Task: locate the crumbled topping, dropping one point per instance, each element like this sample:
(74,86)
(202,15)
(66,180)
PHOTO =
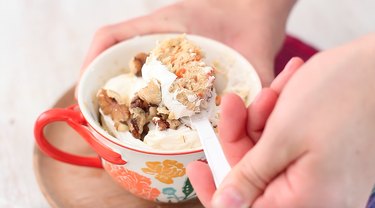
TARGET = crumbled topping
(177,52)
(194,77)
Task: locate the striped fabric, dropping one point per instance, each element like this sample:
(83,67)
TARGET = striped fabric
(371,201)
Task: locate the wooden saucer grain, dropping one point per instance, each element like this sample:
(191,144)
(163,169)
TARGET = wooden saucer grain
(66,185)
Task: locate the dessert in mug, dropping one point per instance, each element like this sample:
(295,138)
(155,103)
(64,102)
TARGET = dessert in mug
(153,102)
(147,107)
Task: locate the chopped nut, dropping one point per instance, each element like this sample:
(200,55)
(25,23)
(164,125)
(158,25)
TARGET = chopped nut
(105,102)
(162,110)
(145,131)
(109,106)
(134,129)
(171,116)
(174,123)
(161,123)
(136,63)
(151,93)
(139,103)
(113,94)
(138,119)
(152,111)
(163,116)
(120,113)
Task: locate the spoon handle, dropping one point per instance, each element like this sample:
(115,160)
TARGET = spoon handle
(214,153)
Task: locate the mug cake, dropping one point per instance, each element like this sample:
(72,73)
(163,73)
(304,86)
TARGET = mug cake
(153,101)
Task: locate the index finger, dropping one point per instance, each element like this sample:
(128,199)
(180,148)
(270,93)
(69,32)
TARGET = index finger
(232,128)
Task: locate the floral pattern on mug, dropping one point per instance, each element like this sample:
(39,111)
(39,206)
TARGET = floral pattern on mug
(132,181)
(165,171)
(187,190)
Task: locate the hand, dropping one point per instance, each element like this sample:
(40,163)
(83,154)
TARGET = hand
(255,28)
(240,129)
(317,148)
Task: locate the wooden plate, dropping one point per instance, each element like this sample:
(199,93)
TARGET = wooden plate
(66,185)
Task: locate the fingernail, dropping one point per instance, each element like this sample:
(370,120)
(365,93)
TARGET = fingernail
(229,197)
(289,64)
(292,62)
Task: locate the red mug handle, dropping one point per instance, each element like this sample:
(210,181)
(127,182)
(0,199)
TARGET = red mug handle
(74,118)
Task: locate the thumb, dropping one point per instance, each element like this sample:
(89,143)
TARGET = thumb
(250,177)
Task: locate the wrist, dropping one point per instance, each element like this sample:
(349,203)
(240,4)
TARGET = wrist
(269,17)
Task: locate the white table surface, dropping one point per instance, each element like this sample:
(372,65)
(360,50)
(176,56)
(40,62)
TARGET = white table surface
(42,46)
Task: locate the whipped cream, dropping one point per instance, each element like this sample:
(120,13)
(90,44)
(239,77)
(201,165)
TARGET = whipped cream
(125,85)
(171,139)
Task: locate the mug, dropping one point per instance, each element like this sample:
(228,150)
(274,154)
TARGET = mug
(154,175)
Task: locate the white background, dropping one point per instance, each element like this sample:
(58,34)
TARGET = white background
(43,43)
